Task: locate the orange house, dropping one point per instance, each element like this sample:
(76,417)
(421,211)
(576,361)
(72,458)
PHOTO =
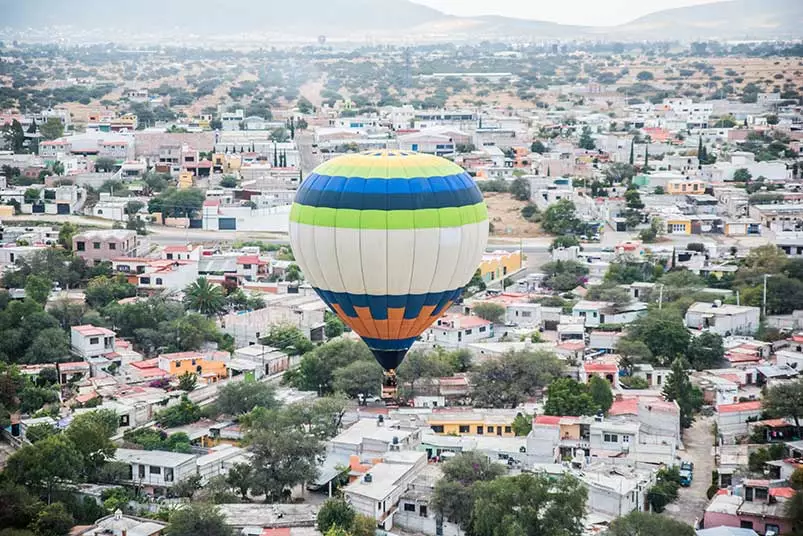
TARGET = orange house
(208,369)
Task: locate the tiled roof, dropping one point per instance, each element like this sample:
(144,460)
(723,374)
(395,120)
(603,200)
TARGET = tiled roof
(753,405)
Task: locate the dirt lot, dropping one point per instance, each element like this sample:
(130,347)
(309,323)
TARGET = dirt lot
(505,214)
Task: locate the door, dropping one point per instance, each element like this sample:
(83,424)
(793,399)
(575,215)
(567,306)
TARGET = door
(63,208)
(227,224)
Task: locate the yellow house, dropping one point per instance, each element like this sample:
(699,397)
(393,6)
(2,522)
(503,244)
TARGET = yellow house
(473,423)
(685,187)
(499,264)
(678,226)
(208,370)
(185,180)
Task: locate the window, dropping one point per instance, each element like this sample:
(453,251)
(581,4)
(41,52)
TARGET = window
(130,472)
(246,266)
(464,429)
(170,256)
(525,314)
(145,280)
(112,246)
(745,524)
(409,507)
(770,528)
(482,329)
(158,280)
(611,438)
(141,471)
(508,429)
(123,268)
(468,332)
(422,510)
(437,428)
(625,439)
(95,245)
(94,340)
(156,470)
(168,474)
(479,430)
(80,246)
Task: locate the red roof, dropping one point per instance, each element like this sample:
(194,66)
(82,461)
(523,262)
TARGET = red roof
(600,367)
(547,419)
(212,203)
(571,345)
(146,363)
(90,330)
(250,259)
(179,249)
(775,423)
(73,365)
(626,406)
(742,358)
(754,405)
(276,531)
(757,483)
(785,492)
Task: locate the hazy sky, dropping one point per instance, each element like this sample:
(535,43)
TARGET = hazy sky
(584,12)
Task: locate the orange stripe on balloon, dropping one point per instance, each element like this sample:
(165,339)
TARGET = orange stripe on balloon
(364,314)
(395,321)
(354,323)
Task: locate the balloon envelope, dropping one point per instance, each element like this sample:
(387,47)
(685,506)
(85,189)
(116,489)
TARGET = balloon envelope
(388,239)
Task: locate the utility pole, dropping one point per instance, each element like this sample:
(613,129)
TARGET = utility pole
(764,299)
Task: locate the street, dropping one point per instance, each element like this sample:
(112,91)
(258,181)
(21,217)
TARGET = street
(699,445)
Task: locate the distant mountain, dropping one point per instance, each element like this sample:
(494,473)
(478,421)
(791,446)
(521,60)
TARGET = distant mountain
(734,19)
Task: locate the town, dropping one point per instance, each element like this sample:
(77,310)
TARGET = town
(182,351)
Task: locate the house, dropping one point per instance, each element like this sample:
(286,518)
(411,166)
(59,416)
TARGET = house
(167,275)
(616,491)
(72,371)
(424,142)
(374,438)
(756,508)
(91,341)
(591,311)
(186,252)
(154,470)
(456,330)
(723,319)
(207,367)
(607,371)
(449,421)
(685,186)
(416,513)
(258,361)
(376,494)
(118,524)
(252,267)
(499,264)
(732,419)
(104,245)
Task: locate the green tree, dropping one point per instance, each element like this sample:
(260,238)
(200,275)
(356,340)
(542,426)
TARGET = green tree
(205,297)
(742,175)
(45,465)
(66,232)
(186,487)
(335,513)
(560,218)
(280,135)
(185,412)
(564,242)
(105,164)
(358,379)
(317,368)
(586,141)
(101,290)
(648,524)
(678,387)
(520,189)
(454,494)
(705,351)
(18,507)
(38,432)
(239,478)
(53,520)
(569,397)
(288,338)
(236,398)
(38,288)
(50,346)
(510,379)
(14,136)
(420,365)
(529,505)
(663,331)
(600,390)
(133,207)
(52,128)
(538,147)
(293,273)
(522,424)
(90,433)
(632,351)
(665,489)
(196,519)
(333,327)
(645,75)
(187,381)
(786,400)
(228,181)
(493,312)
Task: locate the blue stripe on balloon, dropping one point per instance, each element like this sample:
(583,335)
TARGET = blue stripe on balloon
(389,344)
(379,305)
(388,194)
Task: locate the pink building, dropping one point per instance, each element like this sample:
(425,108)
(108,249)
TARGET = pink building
(97,246)
(761,508)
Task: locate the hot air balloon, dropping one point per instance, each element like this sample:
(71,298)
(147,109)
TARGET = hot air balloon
(388,239)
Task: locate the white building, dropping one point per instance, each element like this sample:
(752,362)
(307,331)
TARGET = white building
(456,330)
(523,314)
(168,275)
(722,319)
(91,341)
(155,470)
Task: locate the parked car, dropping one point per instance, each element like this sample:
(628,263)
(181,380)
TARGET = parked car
(686,477)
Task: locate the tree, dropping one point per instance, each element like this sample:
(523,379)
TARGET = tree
(293,273)
(288,338)
(52,128)
(522,424)
(538,147)
(772,119)
(569,397)
(186,487)
(316,370)
(453,496)
(236,398)
(742,175)
(187,381)
(632,152)
(228,181)
(492,312)
(529,505)
(105,164)
(38,288)
(333,327)
(14,136)
(66,232)
(513,377)
(705,351)
(359,379)
(600,390)
(196,519)
(90,433)
(18,507)
(663,331)
(564,242)
(665,490)
(280,135)
(133,207)
(40,431)
(102,290)
(632,351)
(520,189)
(786,400)
(419,365)
(45,465)
(678,387)
(53,520)
(185,412)
(335,513)
(239,478)
(205,297)
(560,218)
(586,141)
(648,524)
(50,346)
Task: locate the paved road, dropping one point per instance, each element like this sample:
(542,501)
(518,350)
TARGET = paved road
(699,444)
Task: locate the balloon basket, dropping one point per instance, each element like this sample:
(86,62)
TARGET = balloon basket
(389,388)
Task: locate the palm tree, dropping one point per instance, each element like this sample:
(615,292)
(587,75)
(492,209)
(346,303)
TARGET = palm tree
(205,297)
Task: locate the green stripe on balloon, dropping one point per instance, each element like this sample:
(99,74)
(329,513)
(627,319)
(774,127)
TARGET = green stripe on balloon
(431,218)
